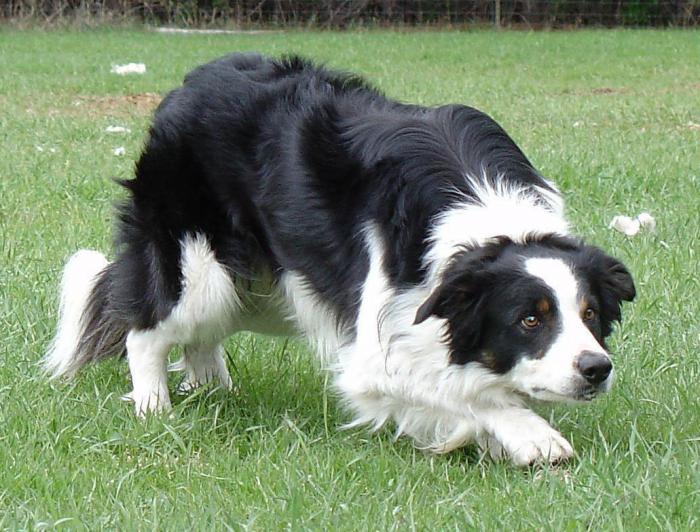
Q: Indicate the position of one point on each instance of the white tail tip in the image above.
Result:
(78, 280)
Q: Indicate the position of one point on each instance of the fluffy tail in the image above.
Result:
(87, 330)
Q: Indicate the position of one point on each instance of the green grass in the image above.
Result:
(607, 114)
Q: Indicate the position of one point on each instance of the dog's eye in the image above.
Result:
(588, 314)
(530, 322)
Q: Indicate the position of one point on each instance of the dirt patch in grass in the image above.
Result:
(597, 91)
(609, 90)
(606, 91)
(87, 105)
(129, 104)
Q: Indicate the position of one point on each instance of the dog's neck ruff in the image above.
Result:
(495, 211)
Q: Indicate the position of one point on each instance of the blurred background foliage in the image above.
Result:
(354, 13)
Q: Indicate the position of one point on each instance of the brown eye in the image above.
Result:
(530, 322)
(588, 314)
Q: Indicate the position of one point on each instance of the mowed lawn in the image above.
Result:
(612, 116)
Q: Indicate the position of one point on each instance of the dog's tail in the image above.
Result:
(87, 330)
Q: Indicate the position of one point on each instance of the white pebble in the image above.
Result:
(647, 221)
(129, 68)
(632, 226)
(117, 129)
(626, 225)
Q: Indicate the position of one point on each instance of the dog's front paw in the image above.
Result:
(524, 438)
(543, 445)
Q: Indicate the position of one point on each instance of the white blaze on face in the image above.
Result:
(555, 376)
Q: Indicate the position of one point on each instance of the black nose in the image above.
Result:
(595, 367)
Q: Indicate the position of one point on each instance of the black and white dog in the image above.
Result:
(427, 261)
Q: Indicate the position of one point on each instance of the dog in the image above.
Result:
(426, 260)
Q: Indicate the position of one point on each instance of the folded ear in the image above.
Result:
(614, 284)
(459, 300)
(433, 306)
(462, 283)
(458, 294)
(619, 280)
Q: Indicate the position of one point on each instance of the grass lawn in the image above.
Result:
(612, 116)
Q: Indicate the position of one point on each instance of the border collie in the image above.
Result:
(419, 251)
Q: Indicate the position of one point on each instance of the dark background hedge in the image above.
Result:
(344, 13)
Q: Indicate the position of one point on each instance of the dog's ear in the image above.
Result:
(614, 284)
(433, 306)
(619, 280)
(461, 297)
(460, 300)
(463, 282)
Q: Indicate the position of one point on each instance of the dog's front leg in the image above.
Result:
(521, 435)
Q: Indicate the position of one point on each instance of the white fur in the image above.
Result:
(209, 301)
(78, 280)
(311, 316)
(522, 436)
(202, 364)
(501, 210)
(147, 353)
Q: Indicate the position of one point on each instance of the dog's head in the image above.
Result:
(538, 313)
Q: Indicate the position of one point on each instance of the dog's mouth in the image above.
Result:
(588, 395)
(576, 391)
(580, 395)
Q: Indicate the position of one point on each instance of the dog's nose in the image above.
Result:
(595, 367)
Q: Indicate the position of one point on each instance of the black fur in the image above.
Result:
(105, 332)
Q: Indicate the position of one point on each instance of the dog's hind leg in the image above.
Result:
(204, 314)
(147, 352)
(202, 363)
